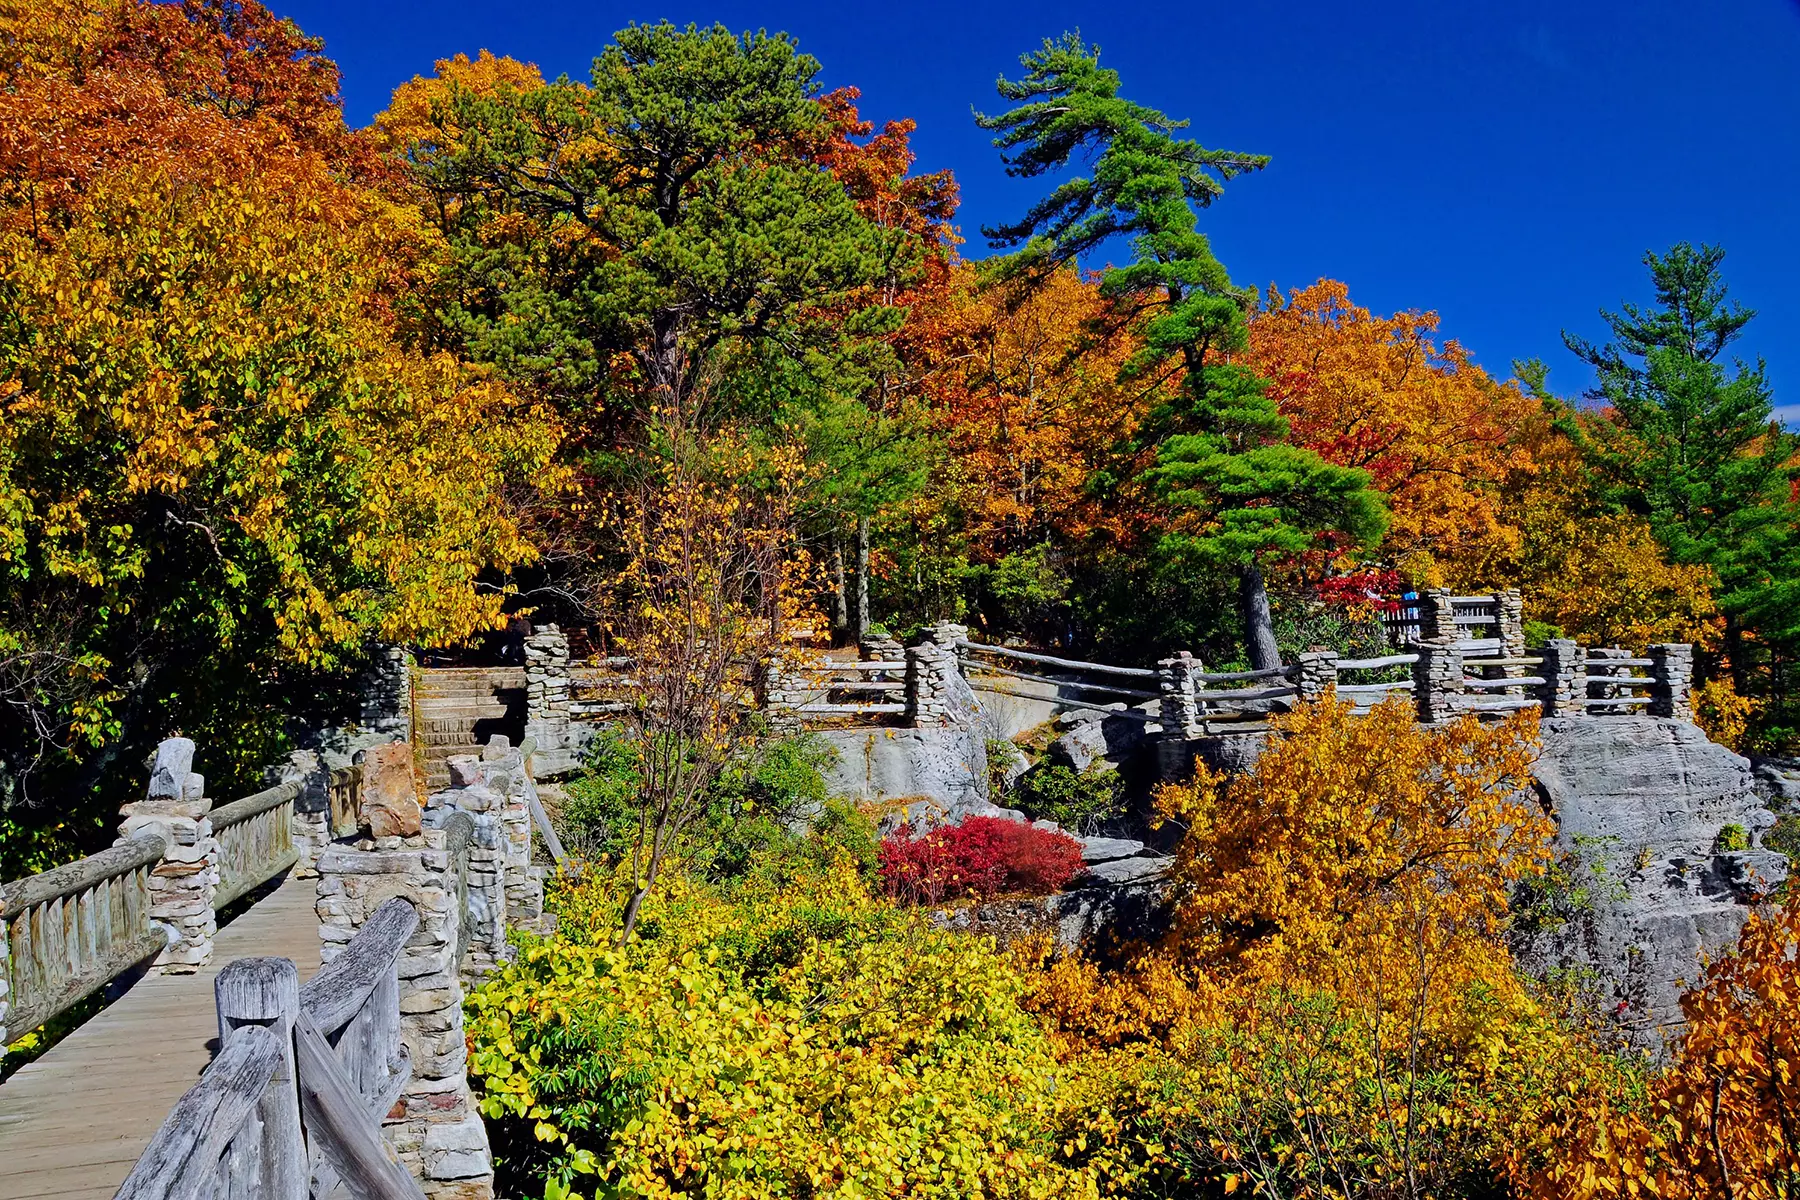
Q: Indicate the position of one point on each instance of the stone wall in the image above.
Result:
(182, 883)
(434, 1129)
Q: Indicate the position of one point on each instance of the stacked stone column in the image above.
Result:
(310, 826)
(1437, 617)
(182, 884)
(388, 695)
(1509, 619)
(1178, 709)
(1437, 681)
(1316, 674)
(1564, 671)
(435, 1129)
(781, 691)
(934, 678)
(549, 719)
(1672, 689)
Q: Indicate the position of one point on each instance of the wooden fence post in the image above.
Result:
(175, 808)
(266, 992)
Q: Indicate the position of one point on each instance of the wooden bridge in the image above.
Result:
(231, 1062)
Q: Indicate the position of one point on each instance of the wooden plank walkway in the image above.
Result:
(73, 1122)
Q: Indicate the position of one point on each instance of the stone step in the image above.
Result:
(466, 712)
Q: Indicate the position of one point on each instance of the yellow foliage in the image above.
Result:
(1723, 714)
(807, 1041)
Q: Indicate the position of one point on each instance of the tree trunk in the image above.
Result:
(664, 365)
(859, 624)
(1259, 625)
(840, 600)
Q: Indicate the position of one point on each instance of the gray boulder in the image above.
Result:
(1080, 746)
(1123, 872)
(1639, 804)
(944, 764)
(1104, 849)
(1013, 763)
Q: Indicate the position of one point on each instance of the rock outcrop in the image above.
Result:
(1661, 829)
(945, 763)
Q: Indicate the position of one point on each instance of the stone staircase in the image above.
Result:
(456, 710)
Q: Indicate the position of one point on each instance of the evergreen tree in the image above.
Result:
(659, 212)
(1692, 447)
(1239, 494)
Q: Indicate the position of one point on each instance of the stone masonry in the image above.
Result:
(1437, 681)
(182, 884)
(434, 1129)
(504, 889)
(549, 720)
(936, 690)
(1316, 673)
(1672, 669)
(311, 824)
(1564, 672)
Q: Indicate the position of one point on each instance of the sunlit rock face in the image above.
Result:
(1661, 830)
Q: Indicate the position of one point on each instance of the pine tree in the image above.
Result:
(1239, 494)
(1694, 448)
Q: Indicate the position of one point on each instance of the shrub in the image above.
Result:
(1732, 838)
(806, 1041)
(1078, 801)
(983, 856)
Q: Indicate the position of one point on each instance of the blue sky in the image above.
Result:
(1505, 164)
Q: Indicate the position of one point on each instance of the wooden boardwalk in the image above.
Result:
(73, 1122)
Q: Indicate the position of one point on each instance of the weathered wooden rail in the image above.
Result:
(1444, 672)
(71, 931)
(292, 1106)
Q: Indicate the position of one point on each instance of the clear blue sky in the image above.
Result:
(1502, 162)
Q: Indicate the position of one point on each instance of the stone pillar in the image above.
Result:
(387, 699)
(506, 772)
(1564, 672)
(1509, 617)
(1177, 679)
(880, 649)
(182, 884)
(311, 823)
(1437, 617)
(1437, 681)
(546, 676)
(434, 1129)
(781, 691)
(1672, 669)
(1316, 674)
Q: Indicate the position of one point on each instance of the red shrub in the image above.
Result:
(984, 856)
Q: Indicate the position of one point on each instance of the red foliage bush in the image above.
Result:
(984, 856)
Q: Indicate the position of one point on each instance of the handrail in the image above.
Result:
(459, 833)
(1109, 689)
(337, 992)
(1071, 663)
(144, 850)
(250, 806)
(183, 1158)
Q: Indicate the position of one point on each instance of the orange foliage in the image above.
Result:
(1026, 389)
(1438, 434)
(1723, 1119)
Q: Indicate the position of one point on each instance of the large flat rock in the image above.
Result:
(1640, 803)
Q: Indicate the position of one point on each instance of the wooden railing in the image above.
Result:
(459, 832)
(293, 1104)
(256, 840)
(75, 929)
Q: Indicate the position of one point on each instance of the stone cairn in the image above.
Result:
(182, 883)
(434, 1128)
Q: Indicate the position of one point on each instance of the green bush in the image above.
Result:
(1077, 802)
(1732, 838)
